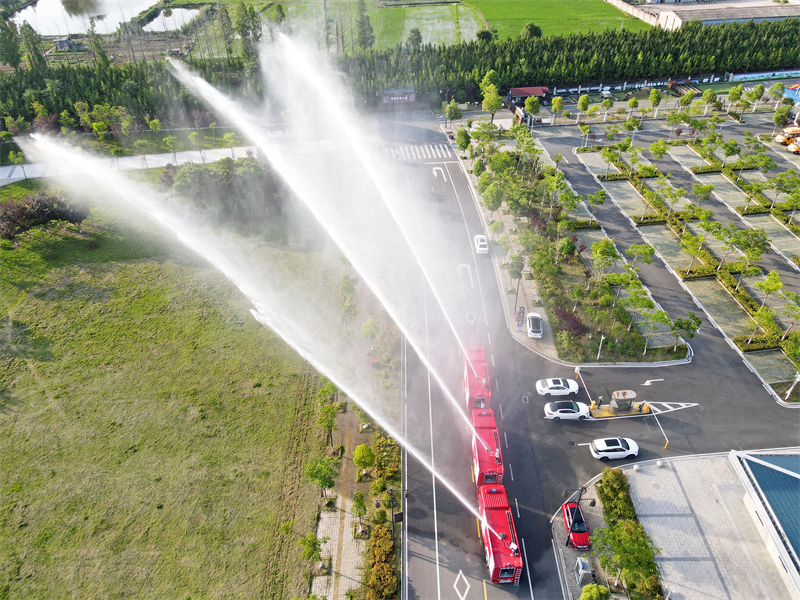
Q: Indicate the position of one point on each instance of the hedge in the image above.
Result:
(614, 492)
(583, 224)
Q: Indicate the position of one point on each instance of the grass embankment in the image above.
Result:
(153, 432)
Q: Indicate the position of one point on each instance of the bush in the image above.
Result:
(565, 247)
(615, 494)
(382, 583)
(379, 518)
(594, 591)
(378, 486)
(478, 167)
(571, 321)
(387, 456)
(569, 346)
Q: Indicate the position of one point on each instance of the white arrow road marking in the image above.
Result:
(665, 407)
(461, 267)
(441, 170)
(651, 381)
(455, 585)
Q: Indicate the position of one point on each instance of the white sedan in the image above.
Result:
(566, 409)
(614, 448)
(557, 387)
(481, 244)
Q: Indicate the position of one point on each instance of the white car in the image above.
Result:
(481, 244)
(557, 387)
(566, 409)
(534, 325)
(614, 448)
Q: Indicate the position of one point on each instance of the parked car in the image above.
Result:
(557, 387)
(576, 525)
(614, 448)
(566, 409)
(534, 325)
(481, 244)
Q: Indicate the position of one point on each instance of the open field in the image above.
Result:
(555, 17)
(153, 432)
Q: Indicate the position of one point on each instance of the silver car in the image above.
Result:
(557, 387)
(616, 448)
(566, 409)
(481, 244)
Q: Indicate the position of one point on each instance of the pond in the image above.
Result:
(62, 17)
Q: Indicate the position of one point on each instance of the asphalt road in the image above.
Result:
(443, 554)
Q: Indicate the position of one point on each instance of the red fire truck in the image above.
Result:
(477, 386)
(499, 535)
(487, 459)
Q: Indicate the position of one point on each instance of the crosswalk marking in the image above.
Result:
(419, 152)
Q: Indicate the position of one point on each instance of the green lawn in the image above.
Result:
(153, 432)
(555, 17)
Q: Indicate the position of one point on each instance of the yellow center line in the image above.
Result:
(472, 470)
(485, 597)
(478, 524)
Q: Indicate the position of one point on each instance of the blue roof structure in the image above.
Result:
(777, 478)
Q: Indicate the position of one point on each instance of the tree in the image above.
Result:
(321, 471)
(312, 547)
(194, 140)
(226, 27)
(643, 252)
(735, 95)
(247, 23)
(658, 149)
(595, 200)
(327, 421)
(363, 457)
(583, 103)
(229, 139)
(452, 113)
(752, 243)
(414, 41)
(557, 105)
(278, 15)
(491, 100)
(769, 286)
(729, 148)
(485, 36)
(709, 96)
(655, 98)
(493, 197)
(633, 104)
(784, 183)
(516, 266)
(693, 246)
(359, 507)
(686, 100)
(594, 591)
(776, 91)
(673, 120)
(604, 255)
(532, 105)
(491, 78)
(686, 328)
(96, 44)
(463, 140)
(791, 310)
(530, 31)
(654, 319)
(607, 104)
(703, 192)
(626, 547)
(780, 116)
(169, 143)
(155, 127)
(33, 48)
(637, 299)
(9, 46)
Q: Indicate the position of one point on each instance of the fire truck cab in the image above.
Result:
(499, 535)
(477, 386)
(487, 458)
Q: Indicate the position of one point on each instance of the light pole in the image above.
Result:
(602, 337)
(392, 504)
(566, 494)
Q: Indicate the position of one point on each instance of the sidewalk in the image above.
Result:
(14, 173)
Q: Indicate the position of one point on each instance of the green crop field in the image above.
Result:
(153, 432)
(555, 17)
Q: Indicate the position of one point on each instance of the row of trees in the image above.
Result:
(578, 58)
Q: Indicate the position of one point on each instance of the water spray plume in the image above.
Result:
(91, 170)
(300, 182)
(326, 87)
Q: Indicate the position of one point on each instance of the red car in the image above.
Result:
(576, 525)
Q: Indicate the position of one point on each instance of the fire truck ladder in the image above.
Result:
(518, 572)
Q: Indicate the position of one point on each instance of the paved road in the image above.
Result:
(734, 411)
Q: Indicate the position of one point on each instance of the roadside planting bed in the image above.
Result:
(724, 190)
(652, 185)
(713, 245)
(664, 241)
(775, 301)
(595, 163)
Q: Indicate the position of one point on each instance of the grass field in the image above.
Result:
(153, 432)
(555, 17)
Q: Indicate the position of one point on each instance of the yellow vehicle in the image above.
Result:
(786, 135)
(794, 147)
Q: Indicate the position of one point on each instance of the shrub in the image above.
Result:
(478, 167)
(565, 247)
(615, 494)
(387, 456)
(594, 591)
(382, 583)
(571, 321)
(379, 518)
(378, 486)
(569, 346)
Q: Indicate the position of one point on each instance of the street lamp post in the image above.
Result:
(392, 504)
